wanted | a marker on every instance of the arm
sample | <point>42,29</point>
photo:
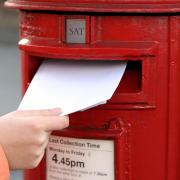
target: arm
<point>4,167</point>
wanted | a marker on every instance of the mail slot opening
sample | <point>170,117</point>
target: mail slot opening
<point>132,78</point>
<point>130,83</point>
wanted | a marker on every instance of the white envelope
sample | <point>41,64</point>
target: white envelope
<point>73,85</point>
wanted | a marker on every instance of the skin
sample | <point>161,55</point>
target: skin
<point>24,135</point>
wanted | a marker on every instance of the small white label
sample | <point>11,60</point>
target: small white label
<point>79,159</point>
<point>75,31</point>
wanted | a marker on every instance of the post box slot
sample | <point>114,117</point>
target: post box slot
<point>130,83</point>
<point>132,78</point>
<point>135,87</point>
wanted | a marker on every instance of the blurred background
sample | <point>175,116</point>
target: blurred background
<point>10,85</point>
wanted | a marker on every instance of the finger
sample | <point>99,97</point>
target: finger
<point>53,123</point>
<point>49,132</point>
<point>44,112</point>
<point>38,160</point>
<point>45,144</point>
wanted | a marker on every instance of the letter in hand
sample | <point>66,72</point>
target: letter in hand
<point>24,135</point>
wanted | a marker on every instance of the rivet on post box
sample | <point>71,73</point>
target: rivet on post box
<point>134,136</point>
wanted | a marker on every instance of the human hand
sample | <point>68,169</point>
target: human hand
<point>24,135</point>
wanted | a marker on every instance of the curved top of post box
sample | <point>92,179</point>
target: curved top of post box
<point>126,6</point>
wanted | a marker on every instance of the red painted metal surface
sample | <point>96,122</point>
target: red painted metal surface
<point>142,118</point>
<point>138,6</point>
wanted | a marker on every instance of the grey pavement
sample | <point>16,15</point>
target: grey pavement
<point>10,88</point>
<point>10,85</point>
<point>9,79</point>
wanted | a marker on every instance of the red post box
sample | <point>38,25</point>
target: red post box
<point>136,135</point>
